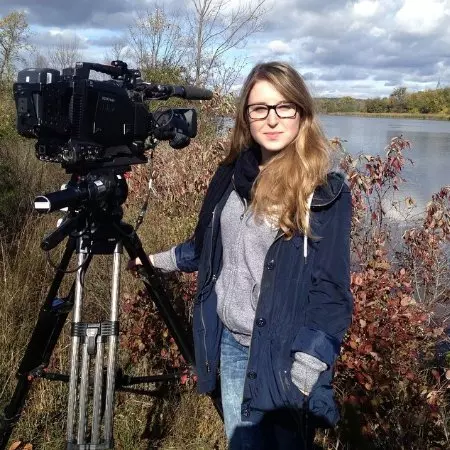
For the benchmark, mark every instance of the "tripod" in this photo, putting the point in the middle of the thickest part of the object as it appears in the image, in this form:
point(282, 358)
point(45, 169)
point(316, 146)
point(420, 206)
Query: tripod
point(91, 230)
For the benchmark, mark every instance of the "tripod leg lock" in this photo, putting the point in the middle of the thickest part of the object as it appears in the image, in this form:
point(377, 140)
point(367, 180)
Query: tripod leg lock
point(37, 372)
point(89, 332)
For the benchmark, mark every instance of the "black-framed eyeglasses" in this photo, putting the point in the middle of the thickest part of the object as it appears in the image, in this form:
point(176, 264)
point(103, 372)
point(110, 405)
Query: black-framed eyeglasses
point(284, 110)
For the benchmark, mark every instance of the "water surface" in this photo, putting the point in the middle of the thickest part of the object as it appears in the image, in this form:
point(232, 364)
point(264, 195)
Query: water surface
point(430, 147)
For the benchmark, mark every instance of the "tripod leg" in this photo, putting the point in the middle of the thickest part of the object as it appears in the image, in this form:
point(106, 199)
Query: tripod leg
point(112, 347)
point(98, 389)
point(73, 380)
point(158, 294)
point(40, 346)
point(83, 394)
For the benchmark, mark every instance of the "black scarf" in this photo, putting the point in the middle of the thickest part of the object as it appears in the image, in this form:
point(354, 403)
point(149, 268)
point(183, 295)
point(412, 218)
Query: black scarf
point(246, 171)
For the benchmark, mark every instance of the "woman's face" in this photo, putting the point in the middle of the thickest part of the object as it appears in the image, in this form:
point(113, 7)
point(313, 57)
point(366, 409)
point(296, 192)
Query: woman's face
point(272, 133)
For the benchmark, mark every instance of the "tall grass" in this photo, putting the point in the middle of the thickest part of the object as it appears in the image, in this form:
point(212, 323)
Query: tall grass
point(24, 277)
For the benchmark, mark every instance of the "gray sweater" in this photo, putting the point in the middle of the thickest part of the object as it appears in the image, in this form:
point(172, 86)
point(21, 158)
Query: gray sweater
point(246, 241)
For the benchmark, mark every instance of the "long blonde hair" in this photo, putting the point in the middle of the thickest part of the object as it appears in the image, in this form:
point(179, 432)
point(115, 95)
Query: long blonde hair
point(288, 179)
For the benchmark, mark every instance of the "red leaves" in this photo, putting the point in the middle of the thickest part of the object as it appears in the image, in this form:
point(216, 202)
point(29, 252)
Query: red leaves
point(357, 279)
point(381, 371)
point(143, 332)
point(366, 348)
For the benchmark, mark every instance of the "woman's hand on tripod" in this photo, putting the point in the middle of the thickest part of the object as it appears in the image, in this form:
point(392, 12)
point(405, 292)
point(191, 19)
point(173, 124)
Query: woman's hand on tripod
point(133, 264)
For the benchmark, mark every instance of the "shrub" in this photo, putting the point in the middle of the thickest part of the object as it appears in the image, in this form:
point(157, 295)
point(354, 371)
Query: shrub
point(392, 396)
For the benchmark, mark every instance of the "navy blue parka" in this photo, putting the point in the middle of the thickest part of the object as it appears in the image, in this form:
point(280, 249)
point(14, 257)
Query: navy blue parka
point(305, 304)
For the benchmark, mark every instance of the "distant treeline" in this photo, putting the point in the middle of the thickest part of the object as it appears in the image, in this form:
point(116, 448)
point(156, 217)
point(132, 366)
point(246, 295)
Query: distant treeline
point(435, 101)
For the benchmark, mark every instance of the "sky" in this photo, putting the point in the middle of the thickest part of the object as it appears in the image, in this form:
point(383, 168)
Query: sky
point(360, 48)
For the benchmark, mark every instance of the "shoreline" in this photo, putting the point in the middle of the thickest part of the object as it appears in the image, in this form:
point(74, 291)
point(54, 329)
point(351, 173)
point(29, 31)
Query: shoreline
point(440, 117)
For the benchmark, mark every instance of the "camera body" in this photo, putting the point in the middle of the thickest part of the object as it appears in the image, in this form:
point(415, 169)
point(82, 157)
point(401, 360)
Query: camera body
point(84, 124)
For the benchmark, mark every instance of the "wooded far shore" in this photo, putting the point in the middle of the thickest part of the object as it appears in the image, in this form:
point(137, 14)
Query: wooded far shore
point(392, 115)
point(433, 104)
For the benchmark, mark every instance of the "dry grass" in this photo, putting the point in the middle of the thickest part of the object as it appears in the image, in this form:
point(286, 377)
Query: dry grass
point(195, 426)
point(24, 277)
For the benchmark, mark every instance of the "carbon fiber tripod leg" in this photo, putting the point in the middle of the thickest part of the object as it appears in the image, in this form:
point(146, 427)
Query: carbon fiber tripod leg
point(52, 316)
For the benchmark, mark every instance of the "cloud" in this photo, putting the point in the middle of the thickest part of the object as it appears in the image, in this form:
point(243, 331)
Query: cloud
point(279, 47)
point(45, 41)
point(365, 8)
point(309, 76)
point(86, 13)
point(54, 13)
point(343, 47)
point(415, 17)
point(345, 73)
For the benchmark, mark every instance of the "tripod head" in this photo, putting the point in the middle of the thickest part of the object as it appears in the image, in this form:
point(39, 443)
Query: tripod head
point(97, 189)
point(90, 198)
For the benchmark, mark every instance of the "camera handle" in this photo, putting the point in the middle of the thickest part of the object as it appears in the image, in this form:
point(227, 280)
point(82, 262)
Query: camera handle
point(92, 339)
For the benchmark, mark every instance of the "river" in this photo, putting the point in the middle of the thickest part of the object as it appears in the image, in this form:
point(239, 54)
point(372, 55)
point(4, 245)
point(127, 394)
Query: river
point(430, 148)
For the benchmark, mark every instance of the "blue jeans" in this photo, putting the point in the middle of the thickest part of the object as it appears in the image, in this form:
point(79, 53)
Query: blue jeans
point(282, 430)
point(233, 367)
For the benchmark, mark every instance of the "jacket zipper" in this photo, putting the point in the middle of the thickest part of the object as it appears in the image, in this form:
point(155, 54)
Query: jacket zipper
point(210, 258)
point(208, 368)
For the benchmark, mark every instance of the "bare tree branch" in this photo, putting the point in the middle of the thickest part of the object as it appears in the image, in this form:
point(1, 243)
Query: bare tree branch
point(224, 76)
point(218, 28)
point(156, 40)
point(119, 50)
point(65, 53)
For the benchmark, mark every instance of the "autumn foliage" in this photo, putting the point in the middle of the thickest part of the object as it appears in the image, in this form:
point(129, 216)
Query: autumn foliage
point(393, 393)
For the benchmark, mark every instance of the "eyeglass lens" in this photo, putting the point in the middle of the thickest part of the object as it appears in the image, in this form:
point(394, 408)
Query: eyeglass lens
point(283, 110)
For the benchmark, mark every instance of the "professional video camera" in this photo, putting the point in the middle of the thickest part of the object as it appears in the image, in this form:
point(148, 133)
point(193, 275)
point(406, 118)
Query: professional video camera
point(86, 124)
point(96, 130)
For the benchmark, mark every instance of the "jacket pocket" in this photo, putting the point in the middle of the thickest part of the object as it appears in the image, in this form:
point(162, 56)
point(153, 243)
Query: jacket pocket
point(289, 395)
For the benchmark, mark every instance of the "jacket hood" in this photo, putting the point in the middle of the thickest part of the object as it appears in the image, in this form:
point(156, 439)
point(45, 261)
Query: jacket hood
point(326, 194)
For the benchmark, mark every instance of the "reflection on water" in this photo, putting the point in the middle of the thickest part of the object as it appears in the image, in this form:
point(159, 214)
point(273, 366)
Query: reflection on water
point(430, 148)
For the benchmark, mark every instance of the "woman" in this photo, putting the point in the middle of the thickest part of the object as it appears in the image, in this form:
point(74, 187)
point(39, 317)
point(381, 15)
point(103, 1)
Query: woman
point(272, 252)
